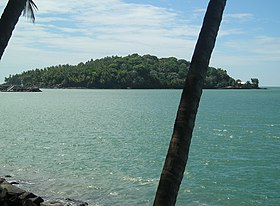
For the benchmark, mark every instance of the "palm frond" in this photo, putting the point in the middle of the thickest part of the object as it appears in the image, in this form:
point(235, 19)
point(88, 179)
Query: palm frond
point(29, 10)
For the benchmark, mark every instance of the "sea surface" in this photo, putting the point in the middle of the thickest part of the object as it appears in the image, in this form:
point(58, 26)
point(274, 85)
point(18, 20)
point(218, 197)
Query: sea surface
point(107, 147)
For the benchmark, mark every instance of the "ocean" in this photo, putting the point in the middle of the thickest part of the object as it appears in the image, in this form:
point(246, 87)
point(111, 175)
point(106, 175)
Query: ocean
point(107, 147)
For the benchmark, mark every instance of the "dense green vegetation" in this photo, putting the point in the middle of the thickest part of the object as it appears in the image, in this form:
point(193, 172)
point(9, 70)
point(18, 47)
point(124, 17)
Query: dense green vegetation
point(132, 71)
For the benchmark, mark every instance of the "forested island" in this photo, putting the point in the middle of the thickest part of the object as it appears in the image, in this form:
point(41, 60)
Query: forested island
point(132, 71)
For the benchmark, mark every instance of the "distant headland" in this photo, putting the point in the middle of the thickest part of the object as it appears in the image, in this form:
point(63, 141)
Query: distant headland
point(129, 72)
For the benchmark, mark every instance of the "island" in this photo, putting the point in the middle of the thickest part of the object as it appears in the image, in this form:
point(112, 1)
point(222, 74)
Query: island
point(130, 72)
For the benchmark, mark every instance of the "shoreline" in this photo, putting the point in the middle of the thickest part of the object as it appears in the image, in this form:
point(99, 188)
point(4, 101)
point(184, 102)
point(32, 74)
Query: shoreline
point(13, 195)
point(18, 88)
point(21, 88)
point(85, 88)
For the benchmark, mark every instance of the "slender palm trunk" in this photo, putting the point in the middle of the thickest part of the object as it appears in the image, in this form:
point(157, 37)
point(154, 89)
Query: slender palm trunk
point(177, 156)
point(8, 21)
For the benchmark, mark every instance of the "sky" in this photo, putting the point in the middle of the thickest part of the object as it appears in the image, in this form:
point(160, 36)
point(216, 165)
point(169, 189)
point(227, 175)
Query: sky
point(70, 32)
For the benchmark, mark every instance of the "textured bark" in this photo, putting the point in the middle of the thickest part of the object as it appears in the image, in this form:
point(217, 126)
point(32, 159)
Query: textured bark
point(8, 22)
point(177, 156)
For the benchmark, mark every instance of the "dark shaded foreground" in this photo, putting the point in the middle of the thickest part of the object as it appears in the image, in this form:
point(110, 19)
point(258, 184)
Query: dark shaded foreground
point(11, 195)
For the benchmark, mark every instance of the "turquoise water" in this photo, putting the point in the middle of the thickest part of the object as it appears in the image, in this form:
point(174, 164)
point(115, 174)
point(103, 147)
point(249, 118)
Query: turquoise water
point(107, 147)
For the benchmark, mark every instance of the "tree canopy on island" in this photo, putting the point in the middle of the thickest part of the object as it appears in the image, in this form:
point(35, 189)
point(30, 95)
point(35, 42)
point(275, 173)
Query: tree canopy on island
point(132, 71)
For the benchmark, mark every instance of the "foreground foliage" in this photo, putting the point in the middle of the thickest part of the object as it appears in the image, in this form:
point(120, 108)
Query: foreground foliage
point(132, 71)
point(10, 17)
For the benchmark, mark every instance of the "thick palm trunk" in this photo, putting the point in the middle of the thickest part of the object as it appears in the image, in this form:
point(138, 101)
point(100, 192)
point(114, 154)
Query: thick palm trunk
point(8, 21)
point(177, 155)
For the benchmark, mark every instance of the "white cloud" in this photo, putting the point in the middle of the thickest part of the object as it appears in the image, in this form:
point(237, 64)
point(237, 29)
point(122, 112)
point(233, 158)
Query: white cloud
point(241, 17)
point(85, 22)
point(247, 58)
point(74, 31)
point(258, 48)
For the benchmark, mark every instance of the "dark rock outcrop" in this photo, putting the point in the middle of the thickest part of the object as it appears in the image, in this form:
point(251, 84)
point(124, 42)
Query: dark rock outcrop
point(64, 202)
point(18, 88)
point(11, 195)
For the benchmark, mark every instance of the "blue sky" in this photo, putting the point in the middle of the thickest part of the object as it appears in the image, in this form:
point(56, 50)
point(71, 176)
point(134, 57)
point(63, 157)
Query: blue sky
point(70, 32)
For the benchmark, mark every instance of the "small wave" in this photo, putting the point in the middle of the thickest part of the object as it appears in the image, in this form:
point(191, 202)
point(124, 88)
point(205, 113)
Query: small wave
point(141, 180)
point(273, 125)
point(220, 130)
point(187, 191)
point(47, 148)
point(114, 193)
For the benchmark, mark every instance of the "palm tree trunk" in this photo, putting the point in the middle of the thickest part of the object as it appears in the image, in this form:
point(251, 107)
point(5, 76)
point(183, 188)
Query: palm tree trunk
point(8, 21)
point(177, 156)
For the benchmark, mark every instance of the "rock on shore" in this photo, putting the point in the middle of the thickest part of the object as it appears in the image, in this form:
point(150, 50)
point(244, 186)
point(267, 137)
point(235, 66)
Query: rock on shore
point(10, 195)
point(18, 88)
